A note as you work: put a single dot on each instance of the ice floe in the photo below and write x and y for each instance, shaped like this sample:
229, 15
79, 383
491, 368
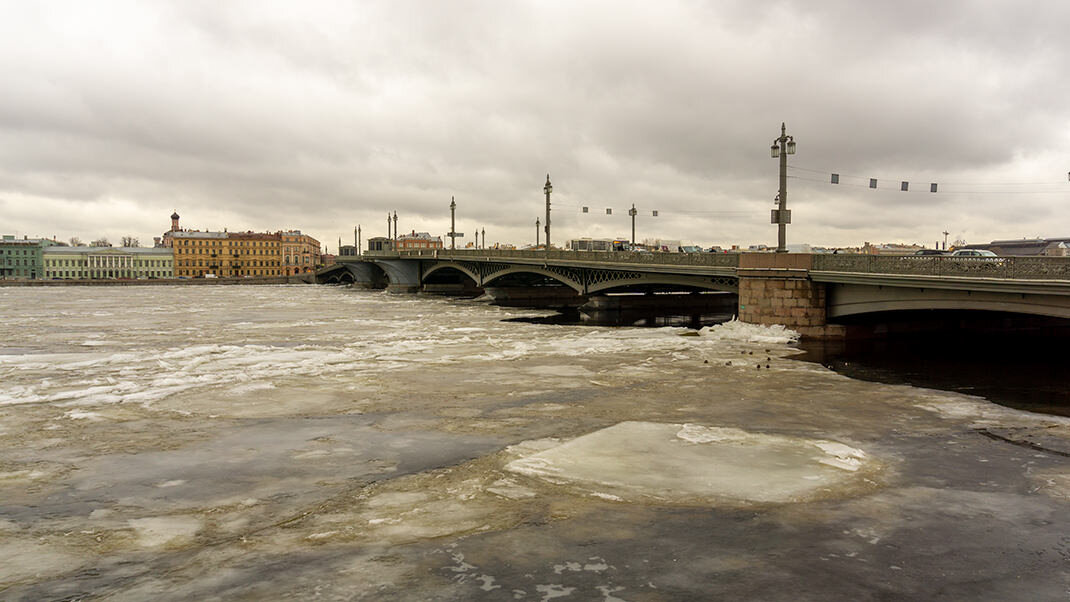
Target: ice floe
689, 464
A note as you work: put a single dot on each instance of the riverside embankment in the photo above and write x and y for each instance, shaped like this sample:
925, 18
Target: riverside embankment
299, 279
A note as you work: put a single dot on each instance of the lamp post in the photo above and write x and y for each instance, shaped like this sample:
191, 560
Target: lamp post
484, 238
453, 224
537, 233
632, 212
395, 230
548, 188
782, 147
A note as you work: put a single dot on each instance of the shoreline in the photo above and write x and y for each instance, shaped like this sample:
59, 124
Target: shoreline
296, 279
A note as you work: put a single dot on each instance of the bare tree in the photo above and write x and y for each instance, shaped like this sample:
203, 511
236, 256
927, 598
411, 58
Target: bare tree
76, 242
100, 242
130, 241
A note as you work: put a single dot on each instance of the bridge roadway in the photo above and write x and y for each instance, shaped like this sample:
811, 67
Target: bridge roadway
807, 292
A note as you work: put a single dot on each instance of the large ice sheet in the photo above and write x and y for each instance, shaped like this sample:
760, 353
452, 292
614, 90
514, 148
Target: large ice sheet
687, 463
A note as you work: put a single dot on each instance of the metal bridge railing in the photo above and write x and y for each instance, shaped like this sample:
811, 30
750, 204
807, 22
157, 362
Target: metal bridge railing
1040, 268
695, 259
1034, 268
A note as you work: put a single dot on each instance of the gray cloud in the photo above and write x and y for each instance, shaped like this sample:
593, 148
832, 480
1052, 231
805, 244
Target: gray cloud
320, 116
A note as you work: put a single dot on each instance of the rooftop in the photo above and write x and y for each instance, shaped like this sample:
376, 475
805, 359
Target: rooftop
162, 251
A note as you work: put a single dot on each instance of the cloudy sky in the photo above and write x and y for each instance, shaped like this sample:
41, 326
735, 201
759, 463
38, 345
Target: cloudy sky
320, 116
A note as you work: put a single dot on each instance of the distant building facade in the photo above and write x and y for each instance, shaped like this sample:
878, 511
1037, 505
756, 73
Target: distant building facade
890, 249
380, 243
1027, 247
418, 240
23, 258
200, 254
255, 254
301, 252
99, 263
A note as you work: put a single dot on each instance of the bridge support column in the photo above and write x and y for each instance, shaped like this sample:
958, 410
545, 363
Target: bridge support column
404, 275
365, 275
776, 289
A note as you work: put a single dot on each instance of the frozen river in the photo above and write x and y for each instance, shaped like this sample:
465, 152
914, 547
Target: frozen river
303, 442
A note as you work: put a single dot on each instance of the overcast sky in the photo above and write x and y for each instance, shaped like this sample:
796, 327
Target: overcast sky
320, 116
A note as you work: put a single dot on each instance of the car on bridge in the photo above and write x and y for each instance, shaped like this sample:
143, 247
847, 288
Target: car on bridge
926, 252
973, 253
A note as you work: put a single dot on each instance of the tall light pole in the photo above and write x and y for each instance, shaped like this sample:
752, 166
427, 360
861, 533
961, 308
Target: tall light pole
537, 233
484, 238
453, 224
782, 147
945, 239
548, 188
358, 240
395, 230
632, 212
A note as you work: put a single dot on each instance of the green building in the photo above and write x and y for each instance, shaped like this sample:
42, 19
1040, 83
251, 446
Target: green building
22, 258
98, 263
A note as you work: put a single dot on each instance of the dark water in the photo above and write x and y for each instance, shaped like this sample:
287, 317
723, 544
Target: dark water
574, 317
1019, 371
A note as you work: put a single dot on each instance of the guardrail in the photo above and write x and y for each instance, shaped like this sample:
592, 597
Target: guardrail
1029, 268
695, 259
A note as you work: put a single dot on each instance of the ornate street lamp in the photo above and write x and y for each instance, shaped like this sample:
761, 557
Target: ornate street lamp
548, 188
782, 147
537, 228
453, 224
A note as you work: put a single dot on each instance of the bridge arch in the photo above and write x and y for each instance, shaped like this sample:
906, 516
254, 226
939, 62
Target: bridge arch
451, 265
555, 274
856, 300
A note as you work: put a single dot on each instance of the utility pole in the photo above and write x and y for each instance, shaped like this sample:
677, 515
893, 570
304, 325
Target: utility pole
453, 224
537, 233
632, 212
782, 147
547, 189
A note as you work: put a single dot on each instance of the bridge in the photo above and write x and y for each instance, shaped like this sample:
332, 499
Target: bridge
811, 293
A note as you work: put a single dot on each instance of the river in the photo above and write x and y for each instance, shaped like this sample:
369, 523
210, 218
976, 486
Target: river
313, 442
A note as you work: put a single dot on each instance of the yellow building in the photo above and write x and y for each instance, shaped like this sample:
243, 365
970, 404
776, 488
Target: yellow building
300, 252
255, 254
224, 254
199, 254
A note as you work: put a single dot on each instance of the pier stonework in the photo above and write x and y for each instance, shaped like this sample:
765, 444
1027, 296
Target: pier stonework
775, 288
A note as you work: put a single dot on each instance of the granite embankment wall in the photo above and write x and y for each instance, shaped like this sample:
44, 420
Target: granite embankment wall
299, 279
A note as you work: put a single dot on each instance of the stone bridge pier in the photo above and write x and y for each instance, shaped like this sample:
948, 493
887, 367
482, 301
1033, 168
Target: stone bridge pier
404, 275
775, 288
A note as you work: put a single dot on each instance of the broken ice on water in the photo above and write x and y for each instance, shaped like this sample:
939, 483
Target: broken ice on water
688, 463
